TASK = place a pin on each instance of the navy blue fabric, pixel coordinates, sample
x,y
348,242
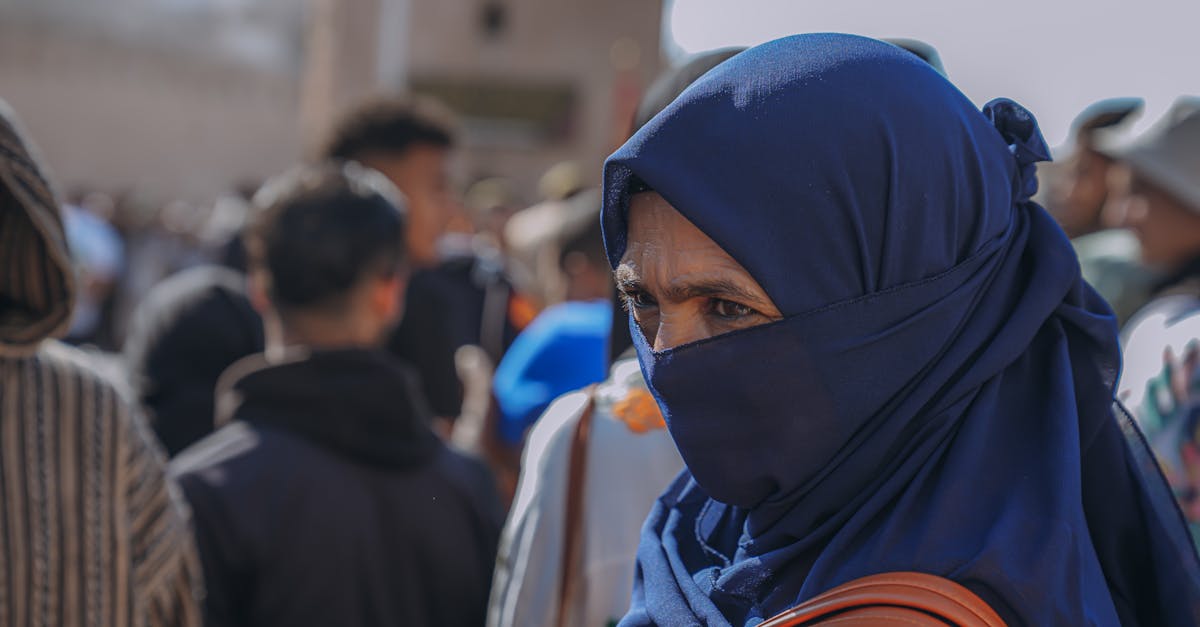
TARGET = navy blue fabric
x,y
939,394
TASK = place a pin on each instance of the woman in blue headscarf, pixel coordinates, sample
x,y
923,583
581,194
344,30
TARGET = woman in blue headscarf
x,y
875,353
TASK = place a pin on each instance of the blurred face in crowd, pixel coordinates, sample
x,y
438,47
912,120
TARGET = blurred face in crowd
x,y
1120,178
1079,194
1168,230
680,286
422,174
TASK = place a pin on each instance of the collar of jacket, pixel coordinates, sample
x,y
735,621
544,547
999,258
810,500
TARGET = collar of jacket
x,y
358,403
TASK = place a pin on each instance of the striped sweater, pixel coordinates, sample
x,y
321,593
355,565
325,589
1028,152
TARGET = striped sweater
x,y
91,533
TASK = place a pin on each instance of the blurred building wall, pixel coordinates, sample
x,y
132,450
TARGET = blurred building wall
x,y
342,61
114,111
594,55
186,98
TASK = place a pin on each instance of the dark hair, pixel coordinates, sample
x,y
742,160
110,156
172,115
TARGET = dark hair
x,y
390,126
186,331
322,229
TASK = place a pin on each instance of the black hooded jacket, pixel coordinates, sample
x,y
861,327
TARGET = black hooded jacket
x,y
327,500
186,332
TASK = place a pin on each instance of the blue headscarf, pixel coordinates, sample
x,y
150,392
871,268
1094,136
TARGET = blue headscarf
x,y
939,394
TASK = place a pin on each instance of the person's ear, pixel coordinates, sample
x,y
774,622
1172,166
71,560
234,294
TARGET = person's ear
x,y
258,286
387,297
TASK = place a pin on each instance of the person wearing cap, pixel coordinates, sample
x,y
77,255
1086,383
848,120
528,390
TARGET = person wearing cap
x,y
1079,200
91,530
491,203
1161,385
1078,194
1162,202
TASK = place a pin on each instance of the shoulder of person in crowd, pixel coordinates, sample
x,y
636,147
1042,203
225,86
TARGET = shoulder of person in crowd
x,y
481,265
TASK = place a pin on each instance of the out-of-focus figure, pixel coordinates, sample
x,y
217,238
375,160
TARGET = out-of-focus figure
x,y
561,181
533,235
1078,193
564,348
161,239
593,465
184,334
924,50
99,255
1161,381
491,203
326,498
90,531
1079,199
453,299
411,143
596,459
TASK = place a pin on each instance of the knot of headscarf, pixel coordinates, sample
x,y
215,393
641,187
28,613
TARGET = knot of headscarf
x,y
920,404
1020,131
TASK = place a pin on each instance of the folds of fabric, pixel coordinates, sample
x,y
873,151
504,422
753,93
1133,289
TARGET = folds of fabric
x,y
36,278
938,396
90,533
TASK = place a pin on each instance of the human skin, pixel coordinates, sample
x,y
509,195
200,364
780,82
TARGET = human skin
x,y
1168,230
421,173
680,286
1078,197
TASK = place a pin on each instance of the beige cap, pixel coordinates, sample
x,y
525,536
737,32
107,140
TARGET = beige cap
x,y
1168,154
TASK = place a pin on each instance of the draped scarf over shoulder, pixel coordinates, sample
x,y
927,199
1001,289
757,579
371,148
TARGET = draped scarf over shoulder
x,y
939,394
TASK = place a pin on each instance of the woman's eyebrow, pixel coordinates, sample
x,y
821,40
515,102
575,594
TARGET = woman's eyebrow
x,y
681,290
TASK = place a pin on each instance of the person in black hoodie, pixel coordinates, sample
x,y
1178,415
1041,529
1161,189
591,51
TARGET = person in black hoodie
x,y
325,499
183,335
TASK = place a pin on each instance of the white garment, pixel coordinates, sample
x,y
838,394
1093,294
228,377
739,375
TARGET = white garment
x,y
1169,322
625,473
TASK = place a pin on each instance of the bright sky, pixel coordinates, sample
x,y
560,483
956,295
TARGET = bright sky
x,y
1053,56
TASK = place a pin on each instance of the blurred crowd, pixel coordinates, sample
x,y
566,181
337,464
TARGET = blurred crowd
x,y
1130,202
388,400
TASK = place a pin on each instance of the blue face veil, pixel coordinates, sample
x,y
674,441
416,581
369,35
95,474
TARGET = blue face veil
x,y
938,396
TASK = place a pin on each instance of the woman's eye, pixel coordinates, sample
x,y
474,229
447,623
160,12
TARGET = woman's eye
x,y
637,300
731,310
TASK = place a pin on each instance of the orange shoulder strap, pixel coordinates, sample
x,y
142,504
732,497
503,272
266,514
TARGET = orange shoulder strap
x,y
901,598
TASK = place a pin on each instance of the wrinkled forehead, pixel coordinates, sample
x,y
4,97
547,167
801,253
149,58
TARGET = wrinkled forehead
x,y
828,166
661,239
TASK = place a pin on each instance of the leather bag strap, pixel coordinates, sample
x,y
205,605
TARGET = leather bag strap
x,y
577,474
899,598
